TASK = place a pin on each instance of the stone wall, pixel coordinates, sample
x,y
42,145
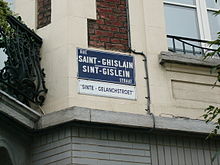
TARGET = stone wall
x,y
92,146
100,145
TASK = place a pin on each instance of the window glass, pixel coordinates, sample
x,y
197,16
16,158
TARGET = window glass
x,y
188,2
214,24
181,21
213,4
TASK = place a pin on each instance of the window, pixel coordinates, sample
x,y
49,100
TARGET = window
x,y
192,19
181,19
214,21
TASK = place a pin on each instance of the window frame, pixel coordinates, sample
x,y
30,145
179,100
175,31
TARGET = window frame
x,y
202,16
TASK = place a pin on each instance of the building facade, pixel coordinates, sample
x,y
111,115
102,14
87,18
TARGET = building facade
x,y
127,84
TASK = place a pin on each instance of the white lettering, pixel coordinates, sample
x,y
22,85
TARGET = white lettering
x,y
90,69
103,61
117,63
80,58
127,81
116,73
89,60
83,51
84,68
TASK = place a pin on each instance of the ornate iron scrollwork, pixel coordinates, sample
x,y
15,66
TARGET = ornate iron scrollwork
x,y
22,76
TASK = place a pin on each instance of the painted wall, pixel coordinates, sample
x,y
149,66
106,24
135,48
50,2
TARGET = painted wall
x,y
67,31
176,90
27,10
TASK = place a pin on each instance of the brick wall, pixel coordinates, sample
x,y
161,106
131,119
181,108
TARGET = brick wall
x,y
110,30
43,13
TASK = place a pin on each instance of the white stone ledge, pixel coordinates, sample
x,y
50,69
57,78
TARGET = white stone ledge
x,y
123,119
33,120
187,59
18,111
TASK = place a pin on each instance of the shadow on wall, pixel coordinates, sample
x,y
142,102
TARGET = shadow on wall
x,y
6,154
4,157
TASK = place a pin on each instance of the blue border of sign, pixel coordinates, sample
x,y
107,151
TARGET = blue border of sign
x,y
105,66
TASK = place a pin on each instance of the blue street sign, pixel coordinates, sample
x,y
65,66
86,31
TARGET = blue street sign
x,y
105,66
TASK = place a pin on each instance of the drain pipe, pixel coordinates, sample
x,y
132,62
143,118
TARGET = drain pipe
x,y
147,83
146,78
143,55
148,110
128,25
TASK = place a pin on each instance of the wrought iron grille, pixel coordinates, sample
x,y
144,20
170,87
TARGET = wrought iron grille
x,y
189,45
22,76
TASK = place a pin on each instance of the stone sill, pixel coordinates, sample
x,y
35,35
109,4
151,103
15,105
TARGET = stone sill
x,y
124,119
187,59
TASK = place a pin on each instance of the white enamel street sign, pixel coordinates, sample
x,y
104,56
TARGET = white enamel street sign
x,y
107,89
105,66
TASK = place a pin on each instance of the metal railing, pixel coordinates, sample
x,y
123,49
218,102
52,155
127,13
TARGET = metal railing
x,y
22,76
188,45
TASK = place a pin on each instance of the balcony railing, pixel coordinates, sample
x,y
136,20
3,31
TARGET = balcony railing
x,y
189,46
22,76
